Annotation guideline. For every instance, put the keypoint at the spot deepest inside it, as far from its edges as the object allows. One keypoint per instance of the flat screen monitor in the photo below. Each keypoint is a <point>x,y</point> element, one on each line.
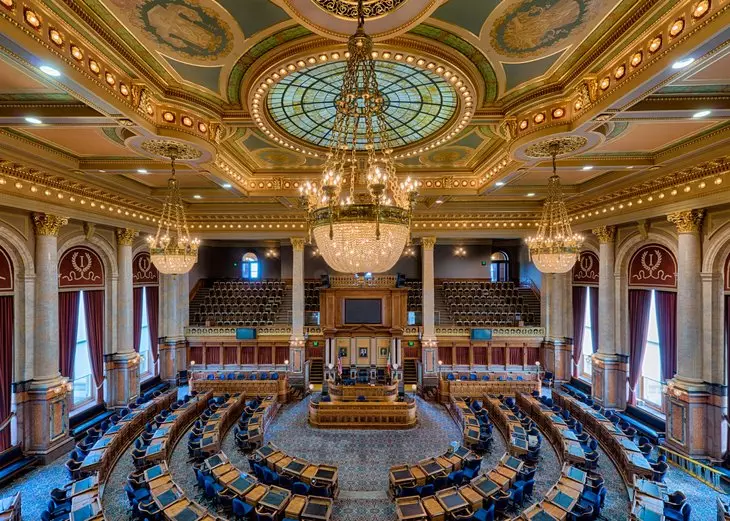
<point>481,334</point>
<point>363,311</point>
<point>245,333</point>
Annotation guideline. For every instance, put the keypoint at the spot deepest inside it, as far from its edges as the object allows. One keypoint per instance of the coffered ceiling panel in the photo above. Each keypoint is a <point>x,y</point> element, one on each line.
<point>652,136</point>
<point>80,141</point>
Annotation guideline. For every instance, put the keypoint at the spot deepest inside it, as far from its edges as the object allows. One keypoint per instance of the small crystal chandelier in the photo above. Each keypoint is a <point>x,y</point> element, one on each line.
<point>360,232</point>
<point>555,248</point>
<point>172,251</point>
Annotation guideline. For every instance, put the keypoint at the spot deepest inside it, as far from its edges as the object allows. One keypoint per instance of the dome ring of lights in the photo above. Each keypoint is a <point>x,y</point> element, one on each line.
<point>446,93</point>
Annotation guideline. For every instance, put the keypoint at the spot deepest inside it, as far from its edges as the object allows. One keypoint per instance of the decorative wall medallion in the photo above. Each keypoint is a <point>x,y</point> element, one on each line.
<point>586,269</point>
<point>565,145</point>
<point>144,272</point>
<point>348,8</point>
<point>186,30</point>
<point>653,266</point>
<point>80,267</point>
<point>534,28</point>
<point>6,272</point>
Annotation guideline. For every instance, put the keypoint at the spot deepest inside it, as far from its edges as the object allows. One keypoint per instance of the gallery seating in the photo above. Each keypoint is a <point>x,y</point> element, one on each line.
<point>480,303</point>
<point>240,303</point>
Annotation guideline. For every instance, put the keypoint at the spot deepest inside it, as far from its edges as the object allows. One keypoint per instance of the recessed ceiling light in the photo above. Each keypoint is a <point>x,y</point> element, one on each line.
<point>588,167</point>
<point>701,114</point>
<point>499,183</point>
<point>439,201</point>
<point>50,71</point>
<point>531,194</point>
<point>102,171</point>
<point>630,167</point>
<point>35,121</point>
<point>226,185</point>
<point>681,64</point>
<point>141,170</point>
<point>197,196</point>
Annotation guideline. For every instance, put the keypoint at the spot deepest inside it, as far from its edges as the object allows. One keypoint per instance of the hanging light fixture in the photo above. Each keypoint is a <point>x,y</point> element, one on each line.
<point>555,248</point>
<point>172,250</point>
<point>360,230</point>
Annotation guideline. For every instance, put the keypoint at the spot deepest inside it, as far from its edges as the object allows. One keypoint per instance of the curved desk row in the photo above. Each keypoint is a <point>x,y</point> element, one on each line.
<point>428,469</point>
<point>363,415</point>
<point>554,427</point>
<point>509,425</point>
<point>560,499</point>
<point>216,426</point>
<point>278,388</point>
<point>350,393</point>
<point>298,469</point>
<point>468,421</point>
<point>258,421</point>
<point>477,388</point>
<point>268,500</point>
<point>629,459</point>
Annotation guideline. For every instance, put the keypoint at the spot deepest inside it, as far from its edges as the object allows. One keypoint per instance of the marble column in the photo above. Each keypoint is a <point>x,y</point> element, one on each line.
<point>297,340</point>
<point>122,367</point>
<point>169,296</point>
<point>689,399</point>
<point>556,348</point>
<point>429,342</point>
<point>609,367</point>
<point>44,407</point>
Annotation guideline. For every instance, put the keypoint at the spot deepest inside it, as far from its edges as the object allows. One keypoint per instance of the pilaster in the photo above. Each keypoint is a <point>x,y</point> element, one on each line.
<point>297,340</point>
<point>429,343</point>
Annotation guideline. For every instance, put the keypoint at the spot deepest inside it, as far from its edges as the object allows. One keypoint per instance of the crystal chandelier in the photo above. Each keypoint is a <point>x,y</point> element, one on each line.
<point>555,248</point>
<point>360,232</point>
<point>172,251</point>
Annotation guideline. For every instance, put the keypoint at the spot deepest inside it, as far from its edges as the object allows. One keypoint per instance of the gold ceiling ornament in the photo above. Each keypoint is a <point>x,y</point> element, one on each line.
<point>171,149</point>
<point>554,147</point>
<point>555,248</point>
<point>689,221</point>
<point>605,234</point>
<point>47,224</point>
<point>125,236</point>
<point>172,250</point>
<point>348,9</point>
<point>357,231</point>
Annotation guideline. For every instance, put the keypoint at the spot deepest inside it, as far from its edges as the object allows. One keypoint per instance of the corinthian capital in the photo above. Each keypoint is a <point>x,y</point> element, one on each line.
<point>428,243</point>
<point>298,243</point>
<point>47,224</point>
<point>689,221</point>
<point>605,234</point>
<point>125,236</point>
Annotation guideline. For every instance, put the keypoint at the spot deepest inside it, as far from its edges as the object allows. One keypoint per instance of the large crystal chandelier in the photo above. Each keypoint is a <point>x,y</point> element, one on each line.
<point>172,250</point>
<point>555,248</point>
<point>360,231</point>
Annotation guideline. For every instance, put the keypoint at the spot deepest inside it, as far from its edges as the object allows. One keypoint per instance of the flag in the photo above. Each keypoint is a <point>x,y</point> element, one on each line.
<point>339,365</point>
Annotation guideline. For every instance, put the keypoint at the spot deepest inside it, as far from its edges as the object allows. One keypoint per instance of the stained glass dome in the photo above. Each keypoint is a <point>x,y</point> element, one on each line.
<point>418,102</point>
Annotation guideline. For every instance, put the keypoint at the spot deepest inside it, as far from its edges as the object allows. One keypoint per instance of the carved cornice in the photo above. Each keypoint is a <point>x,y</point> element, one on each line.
<point>689,221</point>
<point>125,236</point>
<point>298,243</point>
<point>605,234</point>
<point>428,242</point>
<point>47,224</point>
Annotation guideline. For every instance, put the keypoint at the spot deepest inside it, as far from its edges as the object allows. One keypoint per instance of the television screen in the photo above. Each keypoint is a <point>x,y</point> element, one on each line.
<point>481,334</point>
<point>245,333</point>
<point>363,311</point>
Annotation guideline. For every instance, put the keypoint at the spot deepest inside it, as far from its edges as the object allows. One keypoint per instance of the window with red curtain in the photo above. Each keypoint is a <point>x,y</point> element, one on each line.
<point>445,355</point>
<point>7,325</point>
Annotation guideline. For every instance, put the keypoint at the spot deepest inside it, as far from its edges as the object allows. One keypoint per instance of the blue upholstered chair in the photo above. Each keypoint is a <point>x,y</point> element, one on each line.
<point>300,488</point>
<point>484,514</point>
<point>240,509</point>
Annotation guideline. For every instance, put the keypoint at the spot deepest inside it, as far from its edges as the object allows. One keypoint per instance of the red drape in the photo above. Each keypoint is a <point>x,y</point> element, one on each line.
<point>196,354</point>
<point>153,317</point>
<point>639,306</point>
<point>727,342</point>
<point>445,354</point>
<point>94,304</point>
<point>666,311</point>
<point>247,355</point>
<point>515,355</point>
<point>68,319</point>
<point>498,355</point>
<point>462,355</point>
<point>282,354</point>
<point>480,355</point>
<point>137,317</point>
<point>265,355</point>
<point>7,325</point>
<point>593,310</point>
<point>579,320</point>
<point>212,355</point>
<point>230,355</point>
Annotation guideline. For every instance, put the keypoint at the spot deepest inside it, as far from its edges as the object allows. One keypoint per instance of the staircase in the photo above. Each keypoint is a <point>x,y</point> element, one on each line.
<point>441,310</point>
<point>284,313</point>
<point>410,375</point>
<point>316,371</point>
<point>532,301</point>
<point>195,304</point>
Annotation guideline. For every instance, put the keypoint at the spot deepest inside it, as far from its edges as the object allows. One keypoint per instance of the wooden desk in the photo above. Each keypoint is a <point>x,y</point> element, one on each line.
<point>451,500</point>
<point>485,486</point>
<point>10,508</point>
<point>538,513</point>
<point>433,508</point>
<point>501,480</point>
<point>317,509</point>
<point>295,506</point>
<point>410,509</point>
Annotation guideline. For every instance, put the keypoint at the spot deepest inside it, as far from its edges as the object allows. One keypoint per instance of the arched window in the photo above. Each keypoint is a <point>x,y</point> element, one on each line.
<point>84,386</point>
<point>250,266</point>
<point>500,266</point>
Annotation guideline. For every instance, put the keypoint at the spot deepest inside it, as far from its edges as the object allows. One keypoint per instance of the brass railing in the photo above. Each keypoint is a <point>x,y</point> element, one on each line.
<point>694,468</point>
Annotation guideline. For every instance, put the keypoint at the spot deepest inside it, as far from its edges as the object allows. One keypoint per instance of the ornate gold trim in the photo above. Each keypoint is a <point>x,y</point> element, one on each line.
<point>298,243</point>
<point>427,243</point>
<point>563,145</point>
<point>125,236</point>
<point>605,234</point>
<point>47,224</point>
<point>689,221</point>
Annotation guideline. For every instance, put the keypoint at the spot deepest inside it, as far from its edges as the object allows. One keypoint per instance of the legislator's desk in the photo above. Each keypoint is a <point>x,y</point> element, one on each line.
<point>647,502</point>
<point>350,393</point>
<point>508,424</point>
<point>477,388</point>
<point>278,388</point>
<point>630,461</point>
<point>219,422</point>
<point>363,415</point>
<point>402,476</point>
<point>10,508</point>
<point>410,509</point>
<point>297,468</point>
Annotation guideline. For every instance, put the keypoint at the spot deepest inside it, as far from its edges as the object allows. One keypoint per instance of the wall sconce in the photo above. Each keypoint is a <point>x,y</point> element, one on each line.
<point>460,252</point>
<point>409,252</point>
<point>272,253</point>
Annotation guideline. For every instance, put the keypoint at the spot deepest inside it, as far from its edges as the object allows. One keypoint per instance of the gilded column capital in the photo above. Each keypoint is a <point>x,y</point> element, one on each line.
<point>605,234</point>
<point>689,221</point>
<point>125,236</point>
<point>47,224</point>
<point>298,243</point>
<point>428,242</point>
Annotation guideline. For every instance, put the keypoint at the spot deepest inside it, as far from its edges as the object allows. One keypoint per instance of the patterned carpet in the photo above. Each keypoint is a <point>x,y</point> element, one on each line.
<point>363,458</point>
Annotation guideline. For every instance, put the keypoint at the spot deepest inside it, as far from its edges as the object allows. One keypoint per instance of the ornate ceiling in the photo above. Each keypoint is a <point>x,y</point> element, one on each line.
<point>469,87</point>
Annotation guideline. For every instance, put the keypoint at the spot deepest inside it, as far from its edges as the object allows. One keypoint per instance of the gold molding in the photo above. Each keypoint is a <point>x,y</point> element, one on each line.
<point>125,236</point>
<point>605,234</point>
<point>47,224</point>
<point>298,243</point>
<point>563,145</point>
<point>689,221</point>
<point>427,243</point>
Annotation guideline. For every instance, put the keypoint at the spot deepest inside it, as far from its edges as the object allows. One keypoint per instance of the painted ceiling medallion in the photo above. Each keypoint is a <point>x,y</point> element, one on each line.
<point>336,19</point>
<point>348,8</point>
<point>557,146</point>
<point>165,148</point>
